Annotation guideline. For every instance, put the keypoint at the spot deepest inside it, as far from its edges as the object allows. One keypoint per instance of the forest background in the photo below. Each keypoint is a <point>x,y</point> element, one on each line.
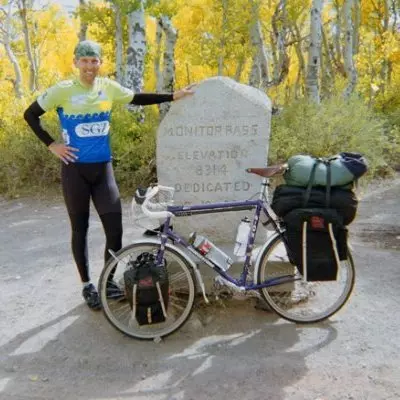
<point>331,69</point>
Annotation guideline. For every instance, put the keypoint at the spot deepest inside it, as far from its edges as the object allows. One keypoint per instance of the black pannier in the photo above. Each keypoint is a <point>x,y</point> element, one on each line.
<point>315,218</point>
<point>316,238</point>
<point>147,289</point>
<point>287,198</point>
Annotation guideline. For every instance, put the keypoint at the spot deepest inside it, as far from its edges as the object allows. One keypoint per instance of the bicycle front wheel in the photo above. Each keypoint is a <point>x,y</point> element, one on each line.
<point>300,301</point>
<point>181,292</point>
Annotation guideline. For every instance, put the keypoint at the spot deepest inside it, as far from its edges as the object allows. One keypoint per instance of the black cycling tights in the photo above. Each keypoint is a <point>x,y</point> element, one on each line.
<point>82,182</point>
<point>112,224</point>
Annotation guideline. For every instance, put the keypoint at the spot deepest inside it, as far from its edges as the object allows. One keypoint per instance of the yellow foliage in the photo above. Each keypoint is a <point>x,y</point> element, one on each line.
<point>203,40</point>
<point>57,45</point>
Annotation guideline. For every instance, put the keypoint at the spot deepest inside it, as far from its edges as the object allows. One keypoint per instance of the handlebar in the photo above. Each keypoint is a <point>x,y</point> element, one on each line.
<point>149,207</point>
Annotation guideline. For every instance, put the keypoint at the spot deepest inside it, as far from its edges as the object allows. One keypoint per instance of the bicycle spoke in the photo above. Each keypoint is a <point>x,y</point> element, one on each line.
<point>301,301</point>
<point>180,280</point>
<point>174,305</point>
<point>178,276</point>
<point>125,308</point>
<point>178,298</point>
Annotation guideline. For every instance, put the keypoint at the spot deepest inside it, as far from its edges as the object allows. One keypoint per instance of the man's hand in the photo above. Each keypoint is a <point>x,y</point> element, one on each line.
<point>63,152</point>
<point>187,91</point>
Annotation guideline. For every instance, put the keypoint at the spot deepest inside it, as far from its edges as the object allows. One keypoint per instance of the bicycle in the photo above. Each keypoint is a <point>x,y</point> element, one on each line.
<point>304,302</point>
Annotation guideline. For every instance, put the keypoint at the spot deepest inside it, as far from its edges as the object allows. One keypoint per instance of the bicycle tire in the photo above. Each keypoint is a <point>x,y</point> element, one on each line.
<point>299,301</point>
<point>182,290</point>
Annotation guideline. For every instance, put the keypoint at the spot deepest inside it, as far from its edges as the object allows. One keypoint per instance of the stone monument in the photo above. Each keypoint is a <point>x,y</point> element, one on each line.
<point>204,145</point>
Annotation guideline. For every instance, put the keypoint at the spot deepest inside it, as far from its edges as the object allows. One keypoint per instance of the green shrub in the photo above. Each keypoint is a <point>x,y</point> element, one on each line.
<point>134,147</point>
<point>27,166</point>
<point>336,125</point>
<point>388,106</point>
<point>333,126</point>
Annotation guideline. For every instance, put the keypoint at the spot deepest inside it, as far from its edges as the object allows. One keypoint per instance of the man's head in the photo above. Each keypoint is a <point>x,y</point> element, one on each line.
<point>87,48</point>
<point>87,60</point>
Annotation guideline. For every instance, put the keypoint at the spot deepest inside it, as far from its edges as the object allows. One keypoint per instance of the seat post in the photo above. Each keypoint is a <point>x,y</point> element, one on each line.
<point>264,189</point>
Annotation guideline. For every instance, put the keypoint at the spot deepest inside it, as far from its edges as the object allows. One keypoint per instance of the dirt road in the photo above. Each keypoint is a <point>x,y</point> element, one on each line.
<point>53,347</point>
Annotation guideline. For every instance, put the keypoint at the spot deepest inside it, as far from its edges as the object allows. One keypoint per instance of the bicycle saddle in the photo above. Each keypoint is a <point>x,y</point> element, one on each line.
<point>268,172</point>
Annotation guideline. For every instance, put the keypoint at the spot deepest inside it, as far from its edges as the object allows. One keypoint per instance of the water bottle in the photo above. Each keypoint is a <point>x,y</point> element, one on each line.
<point>242,235</point>
<point>210,251</point>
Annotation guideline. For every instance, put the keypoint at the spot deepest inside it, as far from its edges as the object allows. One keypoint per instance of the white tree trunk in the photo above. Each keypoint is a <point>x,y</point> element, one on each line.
<point>327,73</point>
<point>222,43</point>
<point>136,52</point>
<point>83,27</point>
<point>278,44</point>
<point>314,52</point>
<point>157,57</point>
<point>33,70</point>
<point>5,39</point>
<point>255,72</point>
<point>169,60</point>
<point>119,45</point>
<point>301,73</point>
<point>241,62</point>
<point>350,69</point>
<point>356,30</point>
<point>386,63</point>
<point>259,74</point>
<point>337,34</point>
<point>17,82</point>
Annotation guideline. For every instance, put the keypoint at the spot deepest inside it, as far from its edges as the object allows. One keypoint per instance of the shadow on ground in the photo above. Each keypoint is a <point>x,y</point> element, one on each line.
<point>255,351</point>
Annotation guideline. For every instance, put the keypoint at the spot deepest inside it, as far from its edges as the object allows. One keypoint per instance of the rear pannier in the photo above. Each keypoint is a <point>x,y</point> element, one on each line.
<point>316,205</point>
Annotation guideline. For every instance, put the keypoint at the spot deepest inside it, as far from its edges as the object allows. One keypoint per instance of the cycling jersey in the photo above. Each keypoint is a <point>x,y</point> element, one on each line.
<point>85,113</point>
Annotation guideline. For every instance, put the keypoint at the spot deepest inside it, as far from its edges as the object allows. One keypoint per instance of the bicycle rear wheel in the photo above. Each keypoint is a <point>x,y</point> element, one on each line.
<point>181,292</point>
<point>300,301</point>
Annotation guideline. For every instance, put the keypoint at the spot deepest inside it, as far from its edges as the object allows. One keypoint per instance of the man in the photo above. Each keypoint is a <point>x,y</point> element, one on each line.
<point>84,109</point>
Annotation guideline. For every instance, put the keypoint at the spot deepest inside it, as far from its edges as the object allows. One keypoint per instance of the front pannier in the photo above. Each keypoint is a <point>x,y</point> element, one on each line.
<point>317,241</point>
<point>147,289</point>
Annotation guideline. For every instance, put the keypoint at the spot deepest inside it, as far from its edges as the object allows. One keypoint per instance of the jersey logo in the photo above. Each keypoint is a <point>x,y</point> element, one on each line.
<point>100,128</point>
<point>102,95</point>
<point>79,99</point>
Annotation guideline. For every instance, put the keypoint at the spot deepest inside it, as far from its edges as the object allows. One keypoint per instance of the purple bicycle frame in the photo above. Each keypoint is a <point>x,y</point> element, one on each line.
<point>196,209</point>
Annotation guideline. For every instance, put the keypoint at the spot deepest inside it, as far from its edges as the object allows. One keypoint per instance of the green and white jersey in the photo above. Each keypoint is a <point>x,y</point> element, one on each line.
<point>85,114</point>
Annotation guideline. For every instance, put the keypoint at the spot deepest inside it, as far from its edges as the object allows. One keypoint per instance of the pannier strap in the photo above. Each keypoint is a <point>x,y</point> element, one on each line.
<point>328,184</point>
<point>312,179</point>
<point>304,252</point>
<point>134,300</point>
<point>161,298</point>
<point>304,249</point>
<point>334,247</point>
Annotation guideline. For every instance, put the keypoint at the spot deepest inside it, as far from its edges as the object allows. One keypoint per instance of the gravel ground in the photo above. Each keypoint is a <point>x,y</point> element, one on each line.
<point>53,347</point>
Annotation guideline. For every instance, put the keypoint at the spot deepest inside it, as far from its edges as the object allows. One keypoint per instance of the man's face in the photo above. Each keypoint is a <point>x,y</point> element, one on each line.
<point>88,68</point>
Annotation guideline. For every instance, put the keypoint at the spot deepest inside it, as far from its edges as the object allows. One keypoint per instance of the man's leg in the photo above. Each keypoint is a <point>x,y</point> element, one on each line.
<point>79,229</point>
<point>112,225</point>
<point>76,191</point>
<point>106,198</point>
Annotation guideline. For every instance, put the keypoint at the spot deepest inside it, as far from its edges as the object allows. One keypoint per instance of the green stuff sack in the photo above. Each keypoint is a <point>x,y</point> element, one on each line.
<point>300,167</point>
